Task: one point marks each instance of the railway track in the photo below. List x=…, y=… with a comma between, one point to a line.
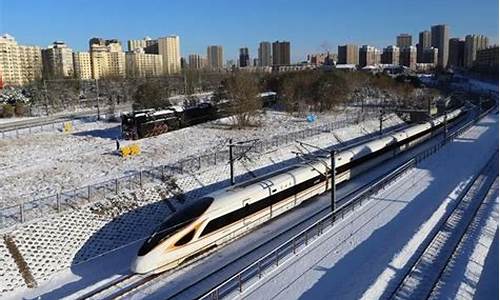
x=422, y=276
x=48, y=120
x=127, y=284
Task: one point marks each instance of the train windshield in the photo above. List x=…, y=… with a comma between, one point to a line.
x=176, y=222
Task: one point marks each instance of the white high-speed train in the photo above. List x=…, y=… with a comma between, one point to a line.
x=228, y=213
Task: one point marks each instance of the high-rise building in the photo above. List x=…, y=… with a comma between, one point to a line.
x=170, y=50
x=19, y=64
x=348, y=54
x=215, y=57
x=107, y=58
x=487, y=59
x=136, y=44
x=265, y=58
x=408, y=57
x=439, y=40
x=430, y=56
x=145, y=44
x=244, y=58
x=424, y=42
x=317, y=59
x=196, y=61
x=403, y=40
x=368, y=56
x=456, y=52
x=142, y=64
x=281, y=53
x=82, y=65
x=57, y=61
x=390, y=55
x=473, y=43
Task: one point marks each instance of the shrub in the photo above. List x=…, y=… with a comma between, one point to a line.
x=7, y=111
x=20, y=109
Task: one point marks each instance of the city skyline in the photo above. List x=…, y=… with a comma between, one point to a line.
x=232, y=31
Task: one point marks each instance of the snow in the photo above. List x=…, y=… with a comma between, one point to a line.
x=369, y=253
x=4, y=121
x=44, y=164
x=462, y=276
x=427, y=269
x=68, y=240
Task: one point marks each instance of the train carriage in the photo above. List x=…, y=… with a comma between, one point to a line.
x=221, y=216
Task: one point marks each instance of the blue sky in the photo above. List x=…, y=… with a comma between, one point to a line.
x=310, y=26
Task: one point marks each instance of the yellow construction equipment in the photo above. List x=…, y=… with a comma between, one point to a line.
x=132, y=149
x=67, y=127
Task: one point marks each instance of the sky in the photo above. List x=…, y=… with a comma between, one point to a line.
x=310, y=25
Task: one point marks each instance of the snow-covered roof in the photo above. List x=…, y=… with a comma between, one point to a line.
x=345, y=66
x=267, y=94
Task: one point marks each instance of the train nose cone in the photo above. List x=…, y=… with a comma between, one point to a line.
x=143, y=264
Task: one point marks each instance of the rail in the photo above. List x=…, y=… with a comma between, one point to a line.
x=250, y=275
x=447, y=225
x=125, y=289
x=31, y=207
x=48, y=123
x=247, y=276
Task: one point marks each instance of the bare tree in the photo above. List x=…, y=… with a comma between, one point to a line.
x=242, y=89
x=149, y=95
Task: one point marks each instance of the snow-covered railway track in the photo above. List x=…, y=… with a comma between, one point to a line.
x=427, y=268
x=128, y=284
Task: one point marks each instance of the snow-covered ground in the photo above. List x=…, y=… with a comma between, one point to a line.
x=365, y=256
x=15, y=119
x=43, y=164
x=69, y=239
x=468, y=269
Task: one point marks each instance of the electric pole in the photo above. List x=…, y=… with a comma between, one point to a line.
x=445, y=126
x=97, y=99
x=333, y=174
x=381, y=120
x=231, y=161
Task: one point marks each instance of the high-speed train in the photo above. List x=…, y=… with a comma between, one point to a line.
x=225, y=214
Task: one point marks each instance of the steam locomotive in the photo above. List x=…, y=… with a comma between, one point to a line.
x=150, y=122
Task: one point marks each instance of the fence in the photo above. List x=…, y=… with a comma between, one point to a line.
x=43, y=127
x=29, y=209
x=250, y=275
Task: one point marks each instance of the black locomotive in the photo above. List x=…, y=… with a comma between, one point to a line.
x=150, y=122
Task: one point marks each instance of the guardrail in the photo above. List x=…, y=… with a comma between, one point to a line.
x=255, y=271
x=32, y=207
x=250, y=275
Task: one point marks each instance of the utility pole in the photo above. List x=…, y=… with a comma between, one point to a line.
x=240, y=155
x=231, y=161
x=381, y=120
x=97, y=99
x=333, y=174
x=445, y=126
x=46, y=98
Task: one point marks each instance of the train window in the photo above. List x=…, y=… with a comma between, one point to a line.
x=250, y=209
x=176, y=222
x=185, y=239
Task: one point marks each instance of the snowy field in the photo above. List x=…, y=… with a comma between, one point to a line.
x=46, y=163
x=74, y=237
x=365, y=257
x=471, y=272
